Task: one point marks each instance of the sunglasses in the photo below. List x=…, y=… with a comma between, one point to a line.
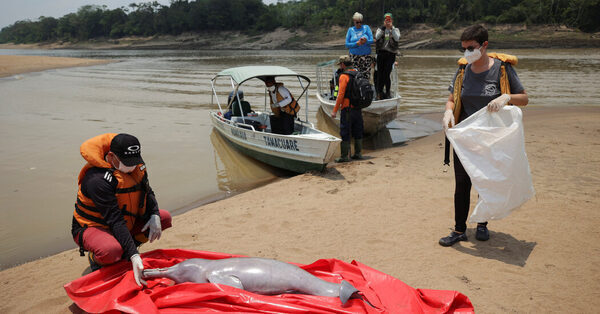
x=357, y=22
x=470, y=48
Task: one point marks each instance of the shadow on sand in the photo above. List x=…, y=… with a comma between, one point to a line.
x=501, y=246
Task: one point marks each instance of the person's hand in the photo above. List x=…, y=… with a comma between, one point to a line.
x=448, y=119
x=138, y=267
x=333, y=114
x=498, y=102
x=155, y=228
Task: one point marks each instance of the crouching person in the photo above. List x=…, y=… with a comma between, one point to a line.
x=116, y=209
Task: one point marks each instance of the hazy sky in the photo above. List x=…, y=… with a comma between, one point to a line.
x=16, y=10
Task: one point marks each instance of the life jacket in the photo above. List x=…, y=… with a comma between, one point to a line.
x=292, y=108
x=504, y=84
x=131, y=187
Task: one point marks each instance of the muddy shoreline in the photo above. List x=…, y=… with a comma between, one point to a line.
x=417, y=36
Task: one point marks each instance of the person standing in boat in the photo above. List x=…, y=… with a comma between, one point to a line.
x=386, y=45
x=482, y=79
x=351, y=120
x=116, y=210
x=359, y=39
x=283, y=106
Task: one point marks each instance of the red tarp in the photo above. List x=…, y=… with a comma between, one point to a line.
x=114, y=289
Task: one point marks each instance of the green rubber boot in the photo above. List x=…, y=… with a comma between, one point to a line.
x=345, y=148
x=358, y=144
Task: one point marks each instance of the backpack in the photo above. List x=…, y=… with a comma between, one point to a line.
x=360, y=91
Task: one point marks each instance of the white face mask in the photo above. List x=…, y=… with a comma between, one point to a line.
x=271, y=88
x=473, y=56
x=125, y=169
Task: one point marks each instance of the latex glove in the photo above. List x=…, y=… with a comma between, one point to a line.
x=498, y=102
x=155, y=228
x=138, y=267
x=448, y=119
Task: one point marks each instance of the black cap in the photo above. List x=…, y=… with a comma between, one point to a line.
x=127, y=148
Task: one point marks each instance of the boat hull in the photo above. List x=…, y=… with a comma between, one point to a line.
x=298, y=153
x=375, y=117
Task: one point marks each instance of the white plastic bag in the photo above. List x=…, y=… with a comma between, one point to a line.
x=491, y=148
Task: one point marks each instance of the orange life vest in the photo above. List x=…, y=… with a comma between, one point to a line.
x=131, y=187
x=292, y=108
x=504, y=84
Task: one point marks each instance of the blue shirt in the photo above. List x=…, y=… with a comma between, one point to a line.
x=354, y=34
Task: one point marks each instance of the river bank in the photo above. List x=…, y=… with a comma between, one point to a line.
x=538, y=258
x=11, y=65
x=416, y=36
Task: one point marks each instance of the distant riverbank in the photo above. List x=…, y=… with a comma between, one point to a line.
x=417, y=36
x=11, y=65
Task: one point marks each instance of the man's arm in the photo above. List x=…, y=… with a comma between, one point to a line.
x=287, y=97
x=344, y=78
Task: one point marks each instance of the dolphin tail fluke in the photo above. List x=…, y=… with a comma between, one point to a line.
x=346, y=291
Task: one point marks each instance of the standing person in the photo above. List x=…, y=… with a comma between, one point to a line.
x=483, y=79
x=116, y=209
x=351, y=120
x=386, y=45
x=283, y=105
x=358, y=40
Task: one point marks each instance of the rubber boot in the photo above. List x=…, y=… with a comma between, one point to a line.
x=358, y=144
x=94, y=266
x=345, y=148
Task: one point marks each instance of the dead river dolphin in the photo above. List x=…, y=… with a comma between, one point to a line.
x=258, y=275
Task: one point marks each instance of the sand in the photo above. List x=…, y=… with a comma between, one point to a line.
x=11, y=65
x=389, y=212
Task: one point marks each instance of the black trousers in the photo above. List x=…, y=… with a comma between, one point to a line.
x=462, y=196
x=351, y=124
x=283, y=124
x=385, y=62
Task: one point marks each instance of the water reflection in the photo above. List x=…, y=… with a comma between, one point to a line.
x=235, y=171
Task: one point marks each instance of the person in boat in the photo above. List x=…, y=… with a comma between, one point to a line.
x=359, y=39
x=235, y=107
x=351, y=120
x=283, y=106
x=116, y=210
x=334, y=84
x=482, y=79
x=386, y=45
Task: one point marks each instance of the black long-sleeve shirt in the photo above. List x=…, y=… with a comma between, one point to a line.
x=101, y=189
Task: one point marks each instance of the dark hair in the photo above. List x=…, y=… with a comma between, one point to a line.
x=269, y=79
x=477, y=33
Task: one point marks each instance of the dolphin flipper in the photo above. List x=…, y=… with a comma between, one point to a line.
x=346, y=291
x=228, y=280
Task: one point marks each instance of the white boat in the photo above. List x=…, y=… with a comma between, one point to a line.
x=304, y=150
x=375, y=117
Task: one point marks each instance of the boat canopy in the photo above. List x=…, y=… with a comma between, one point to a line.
x=242, y=74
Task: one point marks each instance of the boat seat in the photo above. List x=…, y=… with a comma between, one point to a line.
x=256, y=122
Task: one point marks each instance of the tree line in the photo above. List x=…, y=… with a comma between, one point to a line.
x=152, y=18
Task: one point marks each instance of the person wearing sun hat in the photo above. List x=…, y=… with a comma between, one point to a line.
x=116, y=210
x=386, y=46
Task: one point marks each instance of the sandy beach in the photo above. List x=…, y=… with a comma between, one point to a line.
x=11, y=65
x=388, y=212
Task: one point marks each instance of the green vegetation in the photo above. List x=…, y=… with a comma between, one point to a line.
x=148, y=19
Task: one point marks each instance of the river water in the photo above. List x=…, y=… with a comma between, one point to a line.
x=163, y=97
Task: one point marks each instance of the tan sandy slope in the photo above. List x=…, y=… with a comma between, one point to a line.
x=389, y=212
